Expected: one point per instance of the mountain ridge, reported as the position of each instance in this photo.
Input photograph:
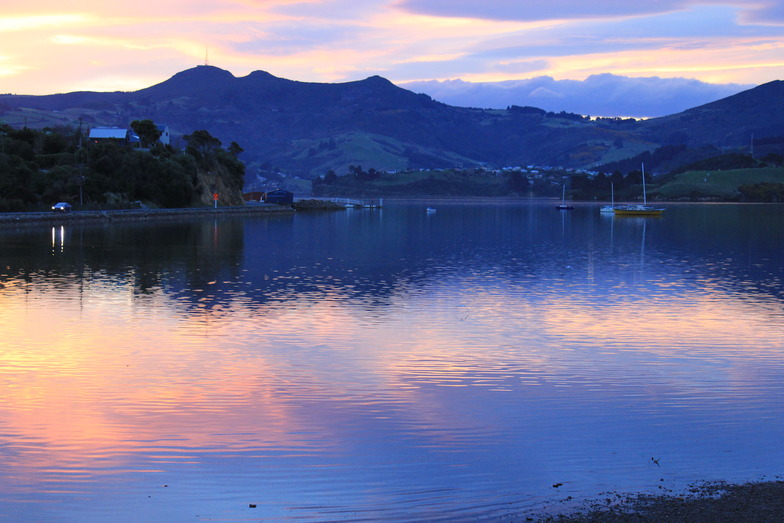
(306, 129)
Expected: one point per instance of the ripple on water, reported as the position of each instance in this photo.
(382, 371)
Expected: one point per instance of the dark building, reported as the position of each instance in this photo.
(280, 197)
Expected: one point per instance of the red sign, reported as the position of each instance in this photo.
(215, 196)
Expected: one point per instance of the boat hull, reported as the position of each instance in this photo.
(637, 211)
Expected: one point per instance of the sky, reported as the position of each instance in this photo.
(446, 46)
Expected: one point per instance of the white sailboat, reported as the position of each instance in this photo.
(639, 210)
(563, 206)
(610, 208)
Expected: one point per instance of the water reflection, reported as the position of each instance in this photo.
(58, 239)
(387, 365)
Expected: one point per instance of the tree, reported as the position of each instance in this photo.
(147, 132)
(517, 182)
(235, 149)
(202, 144)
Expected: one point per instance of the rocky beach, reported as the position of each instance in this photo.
(756, 502)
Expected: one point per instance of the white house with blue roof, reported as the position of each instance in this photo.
(98, 134)
(118, 134)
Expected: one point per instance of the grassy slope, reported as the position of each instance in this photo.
(716, 184)
(416, 183)
(366, 150)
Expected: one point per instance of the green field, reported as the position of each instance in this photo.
(715, 184)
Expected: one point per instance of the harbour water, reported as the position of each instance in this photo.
(493, 359)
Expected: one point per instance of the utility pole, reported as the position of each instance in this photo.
(81, 166)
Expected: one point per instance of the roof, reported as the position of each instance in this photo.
(108, 132)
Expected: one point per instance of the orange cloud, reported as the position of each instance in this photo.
(92, 46)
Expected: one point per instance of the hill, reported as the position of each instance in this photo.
(730, 122)
(306, 129)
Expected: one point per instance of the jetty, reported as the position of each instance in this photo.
(350, 203)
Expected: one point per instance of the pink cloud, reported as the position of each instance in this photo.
(534, 11)
(767, 12)
(770, 14)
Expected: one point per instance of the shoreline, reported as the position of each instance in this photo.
(714, 502)
(37, 218)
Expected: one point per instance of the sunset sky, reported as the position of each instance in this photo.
(49, 47)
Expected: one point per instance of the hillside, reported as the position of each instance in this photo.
(731, 122)
(728, 185)
(306, 129)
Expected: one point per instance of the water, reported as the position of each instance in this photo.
(387, 364)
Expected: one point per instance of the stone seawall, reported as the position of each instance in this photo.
(12, 219)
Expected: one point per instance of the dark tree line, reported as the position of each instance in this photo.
(458, 182)
(762, 192)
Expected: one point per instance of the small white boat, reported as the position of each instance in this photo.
(431, 210)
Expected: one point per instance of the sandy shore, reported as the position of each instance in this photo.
(708, 503)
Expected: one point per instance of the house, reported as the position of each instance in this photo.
(126, 136)
(165, 137)
(255, 196)
(279, 196)
(115, 134)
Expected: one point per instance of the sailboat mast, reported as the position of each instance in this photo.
(644, 198)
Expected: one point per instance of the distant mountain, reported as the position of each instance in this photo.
(307, 129)
(598, 95)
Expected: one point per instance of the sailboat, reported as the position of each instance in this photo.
(563, 206)
(639, 210)
(610, 208)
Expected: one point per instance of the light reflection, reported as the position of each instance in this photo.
(127, 376)
(92, 392)
(58, 239)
